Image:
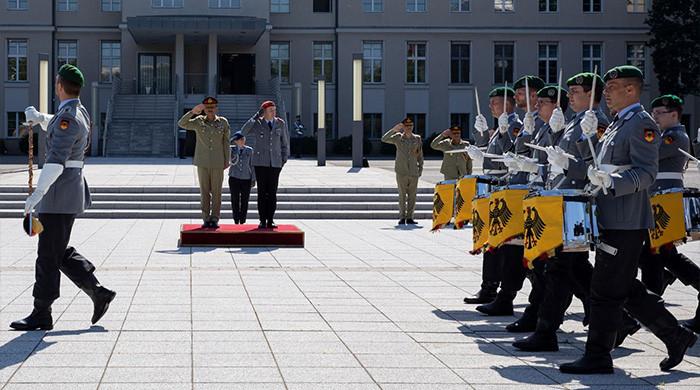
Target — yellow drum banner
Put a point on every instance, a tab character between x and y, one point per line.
505	216
480	224
466	190
443	204
669	220
544	226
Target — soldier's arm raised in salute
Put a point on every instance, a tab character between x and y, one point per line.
245	129
189	121
442	141
392	135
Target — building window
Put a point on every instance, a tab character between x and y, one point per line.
372	124
330	132
224	3
416	63
592	56
459	64
14	124
419	124
166	3
111	5
279	6
636	55
323	61
67	53
547	61
636	6
279	53
416	5
67	5
503	5
16	60
17	4
373	5
110	61
592	6
461	120
372	58
548	5
322	6
503	62
459	5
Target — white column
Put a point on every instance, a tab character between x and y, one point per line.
213	62
180	63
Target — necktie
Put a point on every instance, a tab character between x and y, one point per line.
269	124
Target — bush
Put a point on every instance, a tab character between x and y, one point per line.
24	143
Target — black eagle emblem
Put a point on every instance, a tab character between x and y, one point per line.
499	216
534	227
661	221
478	225
460	201
438	204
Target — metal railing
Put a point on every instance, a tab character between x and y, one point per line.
116	89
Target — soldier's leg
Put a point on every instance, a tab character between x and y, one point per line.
411	196
652	268
217	181
513	275
682	267
261	176
272	195
245	198
234	188
401	184
53	242
204	192
528	321
490	279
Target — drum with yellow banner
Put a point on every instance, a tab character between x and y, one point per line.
443	203
480	223
467	188
669	218
505	214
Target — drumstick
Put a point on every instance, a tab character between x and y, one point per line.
590	107
544	149
476	96
690	156
527	95
559	88
505	96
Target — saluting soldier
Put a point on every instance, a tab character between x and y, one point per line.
454	166
60	195
626	168
408	166
211	156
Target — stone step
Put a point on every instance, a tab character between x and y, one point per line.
185	214
195	190
166	198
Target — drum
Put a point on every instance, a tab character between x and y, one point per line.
505	215
691	208
480	223
443	203
580	222
484	183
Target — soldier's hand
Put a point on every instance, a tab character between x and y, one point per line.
589	124
446	133
198	109
475	153
557	122
480	124
226	165
529	123
556	157
503	123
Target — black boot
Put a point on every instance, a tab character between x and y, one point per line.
596	359
40	318
486	294
101	297
540	341
694	323
629	327
677	345
526	323
669	279
501	306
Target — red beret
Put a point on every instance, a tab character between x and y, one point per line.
267	103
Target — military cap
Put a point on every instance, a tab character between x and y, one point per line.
237	135
71	73
210	100
550	92
670	101
267	103
585	79
456	128
407	121
623	72
534	83
499	91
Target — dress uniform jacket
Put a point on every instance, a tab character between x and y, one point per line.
481	140
242	163
500	144
409	153
672	162
212	150
271	146
67	137
453	166
525	137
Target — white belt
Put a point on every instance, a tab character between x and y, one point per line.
73	164
495	171
610	168
669	176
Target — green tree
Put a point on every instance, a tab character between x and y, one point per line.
675	43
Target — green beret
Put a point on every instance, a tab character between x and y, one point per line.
550	92
533	82
71	73
670	101
586	80
623	72
500	91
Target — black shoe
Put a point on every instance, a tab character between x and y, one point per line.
629	328
243	221
402	221
499	307
262	225
525	324
236	221
40	318
588	365
485	295
101	298
271	225
677	348
214	225
410	221
669	279
205	225
538	342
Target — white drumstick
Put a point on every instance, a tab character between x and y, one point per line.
544	149
559	88
527	94
476	96
590	143
690	156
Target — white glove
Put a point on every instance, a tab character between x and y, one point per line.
480	124
35	117
599	178
475	153
527	165
557	122
698	137
503	123
529	123
556	157
511	163
697	164
589	124
49	174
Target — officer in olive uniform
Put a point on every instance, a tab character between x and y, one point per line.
211	156
408	166
60	195
454	166
667	111
626	168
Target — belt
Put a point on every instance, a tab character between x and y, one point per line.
669	176
74	164
495	171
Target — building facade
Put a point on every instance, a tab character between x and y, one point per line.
422	58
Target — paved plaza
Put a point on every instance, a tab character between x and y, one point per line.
365	305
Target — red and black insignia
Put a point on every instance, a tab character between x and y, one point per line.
649	135
516	131
64	124
600	131
668	140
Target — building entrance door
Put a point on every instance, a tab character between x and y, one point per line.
155	74
237	74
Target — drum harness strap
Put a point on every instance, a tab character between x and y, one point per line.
669	176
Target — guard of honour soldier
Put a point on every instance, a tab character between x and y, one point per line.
624	160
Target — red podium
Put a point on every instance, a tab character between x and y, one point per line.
228	236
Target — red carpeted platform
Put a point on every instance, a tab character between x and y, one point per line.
241	235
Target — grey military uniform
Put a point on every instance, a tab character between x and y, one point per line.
500	144
520	148
67	137
271	145
545	137
672	162
481	140
242	163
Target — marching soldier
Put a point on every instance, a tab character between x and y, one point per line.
532	122
552	131
626	167
212	156
454	166
408	166
60	195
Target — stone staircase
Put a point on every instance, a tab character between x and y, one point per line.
142	126
183	202
239	108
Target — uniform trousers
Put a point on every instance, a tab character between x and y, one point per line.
211	181
567	274
678	264
408	186
268	182
240	195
